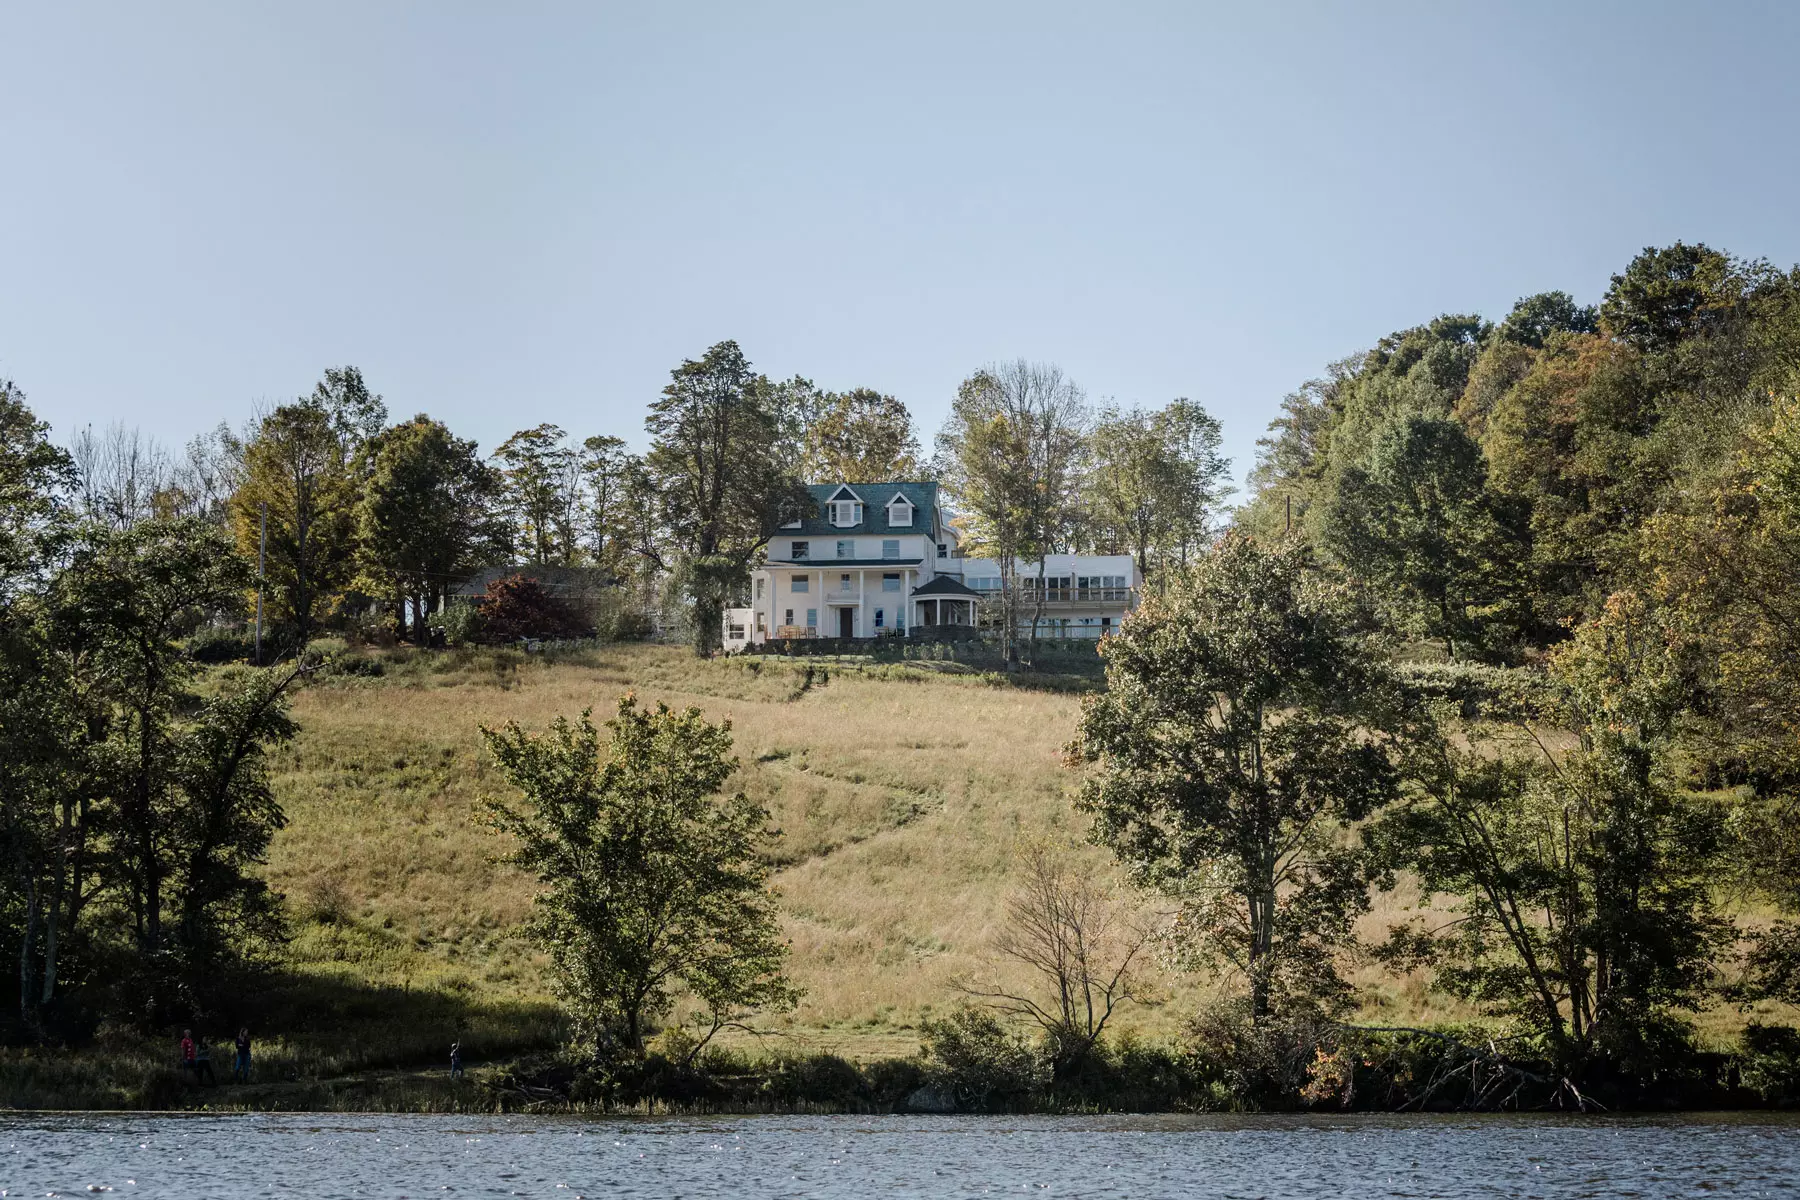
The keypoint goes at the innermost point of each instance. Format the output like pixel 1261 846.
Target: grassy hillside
pixel 903 795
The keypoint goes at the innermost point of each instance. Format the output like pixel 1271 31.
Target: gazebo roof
pixel 943 585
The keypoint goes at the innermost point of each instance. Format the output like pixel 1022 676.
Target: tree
pixel 983 463
pixel 1669 294
pixel 34 479
pixel 1011 457
pixel 1082 949
pixel 539 474
pixel 43 832
pixel 354 412
pixel 1154 481
pixel 1534 318
pixel 517 606
pixel 1242 733
pixel 1585 878
pixel 228 815
pixel 129 597
pixel 297 469
pixel 606 473
pixel 719 486
pixel 653 882
pixel 425 517
pixel 122 474
pixel 860 436
pixel 1418 525
pixel 1726 570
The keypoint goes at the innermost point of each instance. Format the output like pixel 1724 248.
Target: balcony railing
pixel 1071 595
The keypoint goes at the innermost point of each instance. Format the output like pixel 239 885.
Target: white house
pixel 882 560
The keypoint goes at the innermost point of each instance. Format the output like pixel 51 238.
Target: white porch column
pixel 863 616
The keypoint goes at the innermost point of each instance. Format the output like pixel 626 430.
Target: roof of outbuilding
pixel 558 581
pixel 923 494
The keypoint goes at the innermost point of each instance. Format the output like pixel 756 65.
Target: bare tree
pixel 121 474
pixel 1082 946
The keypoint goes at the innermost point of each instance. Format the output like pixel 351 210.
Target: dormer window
pixel 844 509
pixel 899 511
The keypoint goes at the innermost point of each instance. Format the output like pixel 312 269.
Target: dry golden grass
pixel 903 798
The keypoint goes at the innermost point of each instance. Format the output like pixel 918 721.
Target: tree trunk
pixel 1037 611
pixel 149 869
pixel 30 936
pixel 709 617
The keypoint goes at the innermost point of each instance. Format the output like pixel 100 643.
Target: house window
pixel 812 618
pixel 844 582
pixel 759 588
pixel 943 550
pixel 802 583
pixel 879 618
pixel 734 633
pixel 890 582
pixel 800 550
pixel 846 547
pixel 846 513
pixel 789 619
pixel 900 513
pixel 890 548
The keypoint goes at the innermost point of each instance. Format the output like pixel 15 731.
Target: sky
pixel 510 214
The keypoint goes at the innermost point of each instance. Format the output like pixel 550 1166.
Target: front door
pixel 846 622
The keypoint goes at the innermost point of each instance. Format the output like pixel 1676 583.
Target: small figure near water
pixel 456 1067
pixel 187 1053
pixel 240 1066
pixel 203 1064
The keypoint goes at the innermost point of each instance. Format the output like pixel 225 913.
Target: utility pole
pixel 262 554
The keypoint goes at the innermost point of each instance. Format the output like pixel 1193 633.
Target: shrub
pixel 517 606
pixel 212 644
pixel 974 1058
pixel 1769 1063
pixel 1252 1066
pixel 460 622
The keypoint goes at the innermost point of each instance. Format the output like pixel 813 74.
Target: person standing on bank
pixel 456 1070
pixel 188 1066
pixel 240 1066
pixel 203 1064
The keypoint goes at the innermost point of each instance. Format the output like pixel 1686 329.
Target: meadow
pixel 904 795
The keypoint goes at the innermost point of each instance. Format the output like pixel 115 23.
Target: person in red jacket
pixel 187 1054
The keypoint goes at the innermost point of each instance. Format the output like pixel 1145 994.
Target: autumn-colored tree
pixel 297 471
pixel 518 606
pixel 860 436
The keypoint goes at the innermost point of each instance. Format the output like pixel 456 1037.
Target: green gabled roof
pixel 875 497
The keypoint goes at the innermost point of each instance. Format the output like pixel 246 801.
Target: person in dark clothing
pixel 203 1064
pixel 456 1070
pixel 240 1066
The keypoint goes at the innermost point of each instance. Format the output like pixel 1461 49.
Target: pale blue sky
pixel 512 213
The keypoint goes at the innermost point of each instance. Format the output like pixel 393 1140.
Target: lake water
pixel 561 1158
